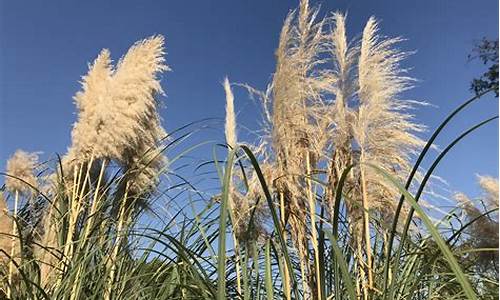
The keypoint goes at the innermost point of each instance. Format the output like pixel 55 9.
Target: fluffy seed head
pixel 118 115
pixel 21 166
pixel 296 92
pixel 384 129
pixel 490 188
pixel 341 115
pixel 297 130
pixel 230 125
pixel 93 105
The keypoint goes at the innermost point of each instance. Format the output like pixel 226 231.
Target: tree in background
pixel 487 52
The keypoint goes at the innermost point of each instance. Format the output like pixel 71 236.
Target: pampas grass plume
pixel 21 167
pixel 230 125
pixel 490 188
pixel 118 115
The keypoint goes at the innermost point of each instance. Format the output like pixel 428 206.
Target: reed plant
pixel 327 204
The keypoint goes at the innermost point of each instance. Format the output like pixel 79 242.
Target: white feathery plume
pixel 118 113
pixel 10 245
pixel 490 187
pixel 230 125
pixel 489 198
pixel 295 90
pixel 134 87
pixel 289 131
pixel 118 120
pixel 343 87
pixel 383 129
pixel 298 133
pixel 93 107
pixel 135 128
pixel 467 204
pixel 237 211
pixel 296 87
pixel 21 167
pixel 22 181
pixel 236 219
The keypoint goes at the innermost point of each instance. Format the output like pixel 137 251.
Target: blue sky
pixel 45 47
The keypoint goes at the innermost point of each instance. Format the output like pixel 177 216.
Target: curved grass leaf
pixel 461 278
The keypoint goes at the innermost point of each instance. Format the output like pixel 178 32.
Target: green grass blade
pixel 342 265
pixel 423 184
pixel 413 172
pixel 461 278
pixel 274 215
pixel 221 266
pixel 268 272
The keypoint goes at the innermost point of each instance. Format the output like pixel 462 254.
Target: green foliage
pixel 487 52
pixel 178 260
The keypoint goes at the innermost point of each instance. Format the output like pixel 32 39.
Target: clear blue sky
pixel 45 47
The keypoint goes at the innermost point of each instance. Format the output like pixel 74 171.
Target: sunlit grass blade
pixel 424 182
pixel 342 265
pixel 276 221
pixel 412 174
pixel 221 257
pixel 461 277
pixel 268 272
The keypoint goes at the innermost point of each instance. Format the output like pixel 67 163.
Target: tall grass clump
pixel 328 102
pixel 331 202
pixel 483 231
pixel 20 183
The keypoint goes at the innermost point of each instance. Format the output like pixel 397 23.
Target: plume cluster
pixel 333 103
pixel 383 129
pixel 117 122
pixel 333 100
pixel 20 168
pixel 118 116
pixel 246 199
pixel 295 98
